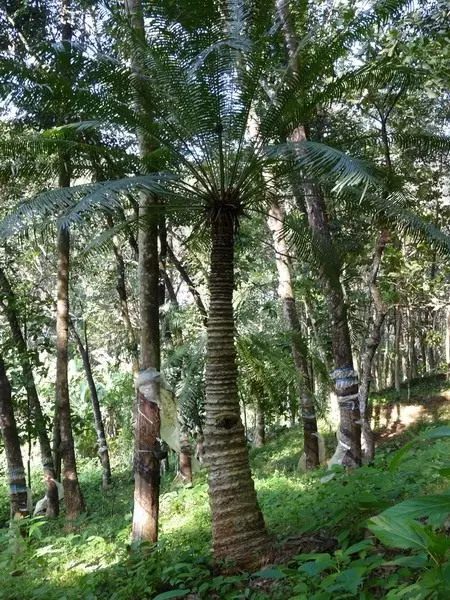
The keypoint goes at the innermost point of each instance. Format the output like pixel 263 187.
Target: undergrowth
pixel 319 531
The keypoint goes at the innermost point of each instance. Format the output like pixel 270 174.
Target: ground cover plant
pixel 325 543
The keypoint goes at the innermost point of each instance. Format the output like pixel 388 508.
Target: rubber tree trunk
pixel 103 451
pixel 238 529
pixel 372 343
pixel 17 487
pixel 147 457
pixel 73 497
pixel 260 425
pixel 348 451
pixel 298 342
pixel 147 431
pixel 8 304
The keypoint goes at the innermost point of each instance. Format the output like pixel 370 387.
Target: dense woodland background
pixel 224 284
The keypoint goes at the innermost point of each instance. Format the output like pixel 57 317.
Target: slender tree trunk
pixel 397 352
pixel 121 288
pixel 372 343
pixel 185 459
pixel 188 281
pixel 239 533
pixel 9 309
pixel 147 430
pixel 348 451
pixel 260 425
pixel 103 451
pixel 298 343
pixel 14 463
pixel 73 498
pixel 447 340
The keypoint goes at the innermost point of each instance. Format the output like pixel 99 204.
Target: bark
pixel 397 353
pixel 8 304
pixel 103 451
pixel 260 426
pixel 14 463
pixel 447 340
pixel 185 459
pixel 147 430
pixel 73 497
pixel 348 451
pixel 372 343
pixel 298 343
pixel 239 533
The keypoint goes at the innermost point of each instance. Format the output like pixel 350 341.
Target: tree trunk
pixel 9 308
pixel 298 343
pixel 260 425
pixel 185 459
pixel 123 300
pixel 447 341
pixel 103 451
pixel 239 533
pixel 14 463
pixel 348 451
pixel 73 497
pixel 372 343
pixel 148 453
pixel 397 352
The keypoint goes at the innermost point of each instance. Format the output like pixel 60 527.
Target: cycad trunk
pixel 298 343
pixel 73 498
pixel 9 307
pixel 239 533
pixel 14 463
pixel 103 451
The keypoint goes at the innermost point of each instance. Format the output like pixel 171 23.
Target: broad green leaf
pixel 172 594
pixel 399 455
pixel 398 533
pixel 435 507
pixel 415 561
pixel 438 432
pixel 362 545
pixel 270 573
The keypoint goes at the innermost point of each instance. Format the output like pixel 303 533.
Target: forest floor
pixel 303 515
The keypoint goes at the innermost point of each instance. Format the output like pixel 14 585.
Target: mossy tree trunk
pixel 239 533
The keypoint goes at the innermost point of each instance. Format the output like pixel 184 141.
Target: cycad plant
pixel 214 117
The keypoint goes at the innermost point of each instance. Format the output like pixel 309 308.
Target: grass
pixel 95 562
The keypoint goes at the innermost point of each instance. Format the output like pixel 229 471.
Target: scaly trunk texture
pixel 239 533
pixel 73 498
pixel 348 451
pixel 147 457
pixel 14 463
pixel 260 426
pixel 8 304
pixel 298 343
pixel 103 452
pixel 372 343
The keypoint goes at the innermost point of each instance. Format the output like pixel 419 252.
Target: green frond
pixel 72 204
